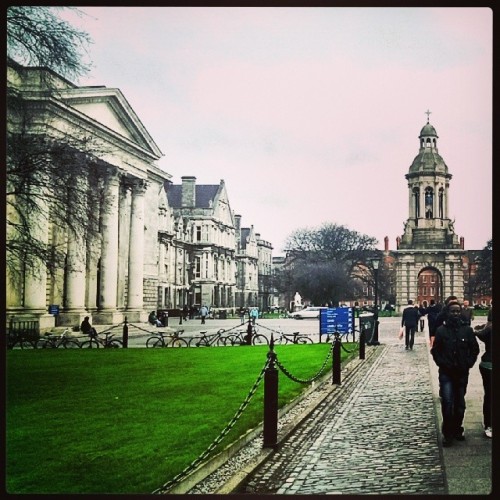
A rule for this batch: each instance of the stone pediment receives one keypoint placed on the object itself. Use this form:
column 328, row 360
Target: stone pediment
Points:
column 109, row 108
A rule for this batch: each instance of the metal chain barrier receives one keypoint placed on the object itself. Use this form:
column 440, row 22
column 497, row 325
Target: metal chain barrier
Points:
column 304, row 381
column 217, row 440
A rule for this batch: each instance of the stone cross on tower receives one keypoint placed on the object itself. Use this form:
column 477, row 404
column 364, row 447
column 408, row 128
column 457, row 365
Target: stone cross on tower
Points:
column 428, row 113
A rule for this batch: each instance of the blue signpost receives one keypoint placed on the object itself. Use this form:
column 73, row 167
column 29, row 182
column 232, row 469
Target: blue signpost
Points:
column 336, row 319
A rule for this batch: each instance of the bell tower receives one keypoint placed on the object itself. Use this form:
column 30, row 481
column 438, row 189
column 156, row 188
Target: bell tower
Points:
column 428, row 224
column 429, row 252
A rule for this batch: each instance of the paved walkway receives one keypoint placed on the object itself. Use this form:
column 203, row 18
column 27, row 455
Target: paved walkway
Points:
column 381, row 435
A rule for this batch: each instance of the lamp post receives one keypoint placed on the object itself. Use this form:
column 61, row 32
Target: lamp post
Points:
column 374, row 339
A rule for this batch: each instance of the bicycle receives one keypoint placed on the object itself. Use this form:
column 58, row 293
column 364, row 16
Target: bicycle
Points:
column 52, row 341
column 162, row 339
column 208, row 340
column 241, row 338
column 344, row 336
column 293, row 338
column 95, row 341
column 20, row 341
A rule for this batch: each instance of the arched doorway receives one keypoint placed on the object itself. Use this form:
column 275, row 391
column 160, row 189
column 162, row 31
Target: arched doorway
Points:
column 429, row 286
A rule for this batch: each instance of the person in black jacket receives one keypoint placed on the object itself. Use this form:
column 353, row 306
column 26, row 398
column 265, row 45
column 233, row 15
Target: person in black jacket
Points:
column 410, row 322
column 483, row 333
column 455, row 350
column 441, row 317
column 432, row 313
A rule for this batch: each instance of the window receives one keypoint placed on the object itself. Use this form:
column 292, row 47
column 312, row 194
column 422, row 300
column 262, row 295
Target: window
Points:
column 197, row 270
column 198, row 233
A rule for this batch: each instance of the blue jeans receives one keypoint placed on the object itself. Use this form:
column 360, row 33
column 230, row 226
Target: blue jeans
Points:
column 452, row 389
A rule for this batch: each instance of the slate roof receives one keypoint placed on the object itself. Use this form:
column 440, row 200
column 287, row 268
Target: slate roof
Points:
column 204, row 193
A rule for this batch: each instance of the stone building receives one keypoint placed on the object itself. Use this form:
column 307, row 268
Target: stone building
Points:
column 200, row 251
column 158, row 245
column 429, row 254
column 247, row 257
column 113, row 275
column 265, row 266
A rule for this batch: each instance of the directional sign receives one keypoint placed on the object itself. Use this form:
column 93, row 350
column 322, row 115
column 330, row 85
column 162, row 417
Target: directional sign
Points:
column 336, row 319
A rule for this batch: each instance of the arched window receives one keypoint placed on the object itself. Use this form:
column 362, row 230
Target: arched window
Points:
column 441, row 203
column 416, row 201
column 429, row 202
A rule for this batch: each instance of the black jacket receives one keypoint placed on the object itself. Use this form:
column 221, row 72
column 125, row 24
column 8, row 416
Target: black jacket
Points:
column 455, row 350
column 410, row 316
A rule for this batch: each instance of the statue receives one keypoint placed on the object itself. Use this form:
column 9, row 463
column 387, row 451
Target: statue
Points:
column 298, row 301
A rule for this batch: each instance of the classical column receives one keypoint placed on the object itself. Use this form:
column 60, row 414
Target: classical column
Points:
column 123, row 243
column 35, row 277
column 136, row 252
column 74, row 310
column 107, row 313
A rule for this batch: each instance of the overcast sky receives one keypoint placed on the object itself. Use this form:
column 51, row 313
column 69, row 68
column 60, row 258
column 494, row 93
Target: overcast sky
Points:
column 310, row 115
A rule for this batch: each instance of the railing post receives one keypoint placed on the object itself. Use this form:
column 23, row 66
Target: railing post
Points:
column 180, row 316
column 125, row 333
column 271, row 400
column 249, row 332
column 336, row 365
column 362, row 343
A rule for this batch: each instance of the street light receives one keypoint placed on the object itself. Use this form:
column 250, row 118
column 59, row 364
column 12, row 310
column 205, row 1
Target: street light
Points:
column 374, row 339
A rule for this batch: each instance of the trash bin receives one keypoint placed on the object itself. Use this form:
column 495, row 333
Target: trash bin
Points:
column 366, row 322
column 223, row 314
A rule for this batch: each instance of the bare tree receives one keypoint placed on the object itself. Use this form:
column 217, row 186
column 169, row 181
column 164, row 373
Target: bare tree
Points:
column 36, row 36
column 482, row 282
column 52, row 175
column 325, row 261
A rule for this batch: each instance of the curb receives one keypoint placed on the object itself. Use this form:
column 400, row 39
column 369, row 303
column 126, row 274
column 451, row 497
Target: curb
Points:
column 235, row 481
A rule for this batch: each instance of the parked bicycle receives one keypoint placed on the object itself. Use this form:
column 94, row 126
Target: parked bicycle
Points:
column 162, row 339
column 108, row 342
column 53, row 341
column 293, row 338
column 20, row 341
column 344, row 336
column 241, row 338
column 206, row 340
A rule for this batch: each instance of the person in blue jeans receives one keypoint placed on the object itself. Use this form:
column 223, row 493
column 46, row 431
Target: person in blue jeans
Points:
column 455, row 350
column 410, row 321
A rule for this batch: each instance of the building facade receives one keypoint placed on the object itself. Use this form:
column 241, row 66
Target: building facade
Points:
column 157, row 245
column 202, row 248
column 114, row 274
column 429, row 254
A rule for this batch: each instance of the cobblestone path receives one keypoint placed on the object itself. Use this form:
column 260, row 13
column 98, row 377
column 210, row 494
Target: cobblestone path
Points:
column 378, row 437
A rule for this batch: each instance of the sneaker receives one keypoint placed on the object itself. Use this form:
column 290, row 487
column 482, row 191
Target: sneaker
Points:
column 488, row 432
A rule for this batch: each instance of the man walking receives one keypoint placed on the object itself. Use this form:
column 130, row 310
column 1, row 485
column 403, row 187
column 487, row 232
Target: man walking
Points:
column 455, row 350
column 410, row 322
column 203, row 314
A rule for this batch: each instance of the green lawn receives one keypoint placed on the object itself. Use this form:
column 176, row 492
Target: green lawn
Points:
column 128, row 420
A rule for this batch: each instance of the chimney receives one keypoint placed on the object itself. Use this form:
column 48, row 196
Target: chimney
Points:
column 462, row 242
column 188, row 191
column 237, row 223
column 386, row 244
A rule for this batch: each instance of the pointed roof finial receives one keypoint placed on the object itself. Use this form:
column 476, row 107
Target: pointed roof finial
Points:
column 428, row 113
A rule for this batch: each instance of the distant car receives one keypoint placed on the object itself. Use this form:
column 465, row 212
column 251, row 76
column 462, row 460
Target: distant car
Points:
column 308, row 312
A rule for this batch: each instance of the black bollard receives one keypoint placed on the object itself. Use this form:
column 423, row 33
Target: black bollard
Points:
column 362, row 342
column 271, row 400
column 249, row 333
column 181, row 312
column 336, row 364
column 125, row 333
